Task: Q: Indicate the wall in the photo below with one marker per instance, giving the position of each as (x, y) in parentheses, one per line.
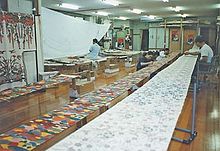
(137, 38)
(137, 26)
(91, 19)
(119, 23)
(3, 5)
(22, 6)
(98, 20)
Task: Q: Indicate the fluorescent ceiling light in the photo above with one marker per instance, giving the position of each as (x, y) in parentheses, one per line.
(176, 9)
(122, 18)
(111, 2)
(151, 17)
(165, 1)
(183, 15)
(136, 11)
(69, 6)
(102, 13)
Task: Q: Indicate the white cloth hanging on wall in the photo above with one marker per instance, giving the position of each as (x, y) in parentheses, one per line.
(64, 35)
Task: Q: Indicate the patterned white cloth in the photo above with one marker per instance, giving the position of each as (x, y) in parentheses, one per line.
(144, 121)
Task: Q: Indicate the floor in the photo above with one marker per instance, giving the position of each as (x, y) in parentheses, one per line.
(207, 120)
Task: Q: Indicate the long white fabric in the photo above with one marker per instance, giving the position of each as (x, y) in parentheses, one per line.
(144, 121)
(64, 35)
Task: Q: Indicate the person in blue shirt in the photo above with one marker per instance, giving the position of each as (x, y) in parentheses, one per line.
(94, 50)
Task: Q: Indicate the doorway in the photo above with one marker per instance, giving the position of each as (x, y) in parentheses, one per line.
(145, 40)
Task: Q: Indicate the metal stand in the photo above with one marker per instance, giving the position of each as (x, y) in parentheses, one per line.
(192, 132)
(195, 79)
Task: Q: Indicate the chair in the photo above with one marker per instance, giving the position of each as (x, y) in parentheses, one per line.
(208, 69)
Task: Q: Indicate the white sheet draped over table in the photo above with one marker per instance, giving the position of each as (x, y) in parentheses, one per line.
(64, 35)
(144, 121)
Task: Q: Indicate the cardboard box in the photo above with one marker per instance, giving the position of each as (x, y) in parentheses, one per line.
(85, 87)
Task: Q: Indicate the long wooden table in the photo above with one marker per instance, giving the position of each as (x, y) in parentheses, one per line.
(145, 120)
(23, 104)
(45, 130)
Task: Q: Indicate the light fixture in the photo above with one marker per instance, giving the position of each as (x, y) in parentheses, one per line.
(122, 18)
(102, 13)
(136, 11)
(152, 17)
(183, 15)
(69, 6)
(165, 1)
(111, 2)
(176, 9)
(149, 17)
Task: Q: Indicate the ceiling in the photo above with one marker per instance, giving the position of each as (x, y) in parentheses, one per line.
(191, 8)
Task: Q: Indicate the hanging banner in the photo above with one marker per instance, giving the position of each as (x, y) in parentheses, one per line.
(16, 35)
(19, 31)
(190, 39)
(64, 35)
(175, 35)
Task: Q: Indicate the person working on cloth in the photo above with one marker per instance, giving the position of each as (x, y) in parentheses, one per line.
(94, 50)
(205, 50)
(206, 54)
(144, 60)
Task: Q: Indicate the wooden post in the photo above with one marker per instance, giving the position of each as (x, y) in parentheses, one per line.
(88, 75)
(74, 83)
(37, 17)
(182, 41)
(165, 33)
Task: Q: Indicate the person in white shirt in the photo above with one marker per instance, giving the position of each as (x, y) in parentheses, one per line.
(94, 50)
(194, 48)
(161, 56)
(205, 50)
(206, 54)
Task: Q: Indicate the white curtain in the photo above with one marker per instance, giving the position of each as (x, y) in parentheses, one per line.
(64, 35)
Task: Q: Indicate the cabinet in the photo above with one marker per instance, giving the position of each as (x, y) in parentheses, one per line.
(156, 37)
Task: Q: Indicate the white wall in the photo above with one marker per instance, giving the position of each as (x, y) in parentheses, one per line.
(138, 28)
(22, 6)
(156, 37)
(91, 19)
(119, 23)
(137, 38)
(137, 24)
